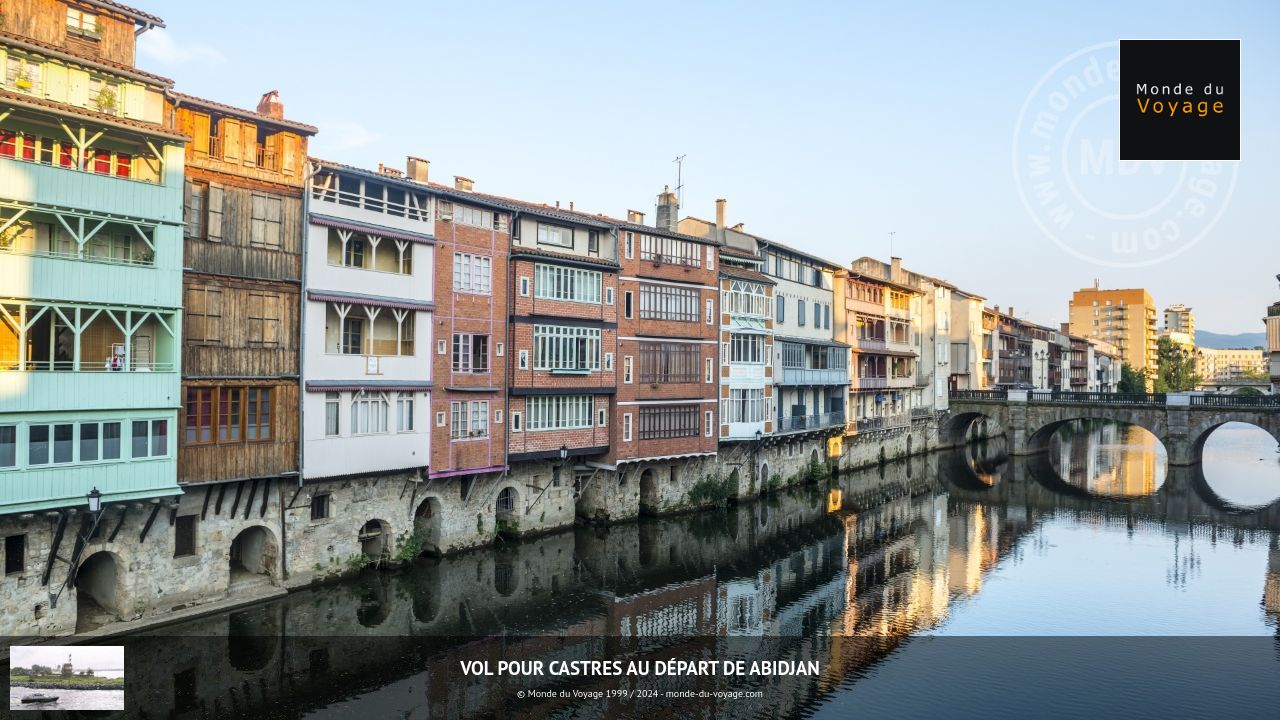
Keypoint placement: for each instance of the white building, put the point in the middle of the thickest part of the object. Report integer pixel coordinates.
(367, 323)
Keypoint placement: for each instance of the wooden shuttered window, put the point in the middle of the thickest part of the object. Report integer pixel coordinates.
(204, 315)
(265, 221)
(264, 320)
(213, 231)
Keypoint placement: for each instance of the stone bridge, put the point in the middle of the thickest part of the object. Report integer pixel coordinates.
(1181, 422)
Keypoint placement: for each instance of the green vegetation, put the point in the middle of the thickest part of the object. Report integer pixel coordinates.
(816, 471)
(70, 682)
(1132, 380)
(712, 490)
(773, 483)
(410, 546)
(358, 561)
(507, 528)
(1176, 367)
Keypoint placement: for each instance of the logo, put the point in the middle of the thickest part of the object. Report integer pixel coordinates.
(1180, 99)
(1083, 195)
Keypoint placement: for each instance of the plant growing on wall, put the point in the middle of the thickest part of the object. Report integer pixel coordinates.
(24, 81)
(106, 99)
(410, 546)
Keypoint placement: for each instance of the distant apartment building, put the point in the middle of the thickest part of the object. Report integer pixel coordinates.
(1230, 364)
(1180, 319)
(1124, 318)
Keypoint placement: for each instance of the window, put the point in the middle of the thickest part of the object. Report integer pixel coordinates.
(669, 362)
(608, 361)
(369, 414)
(264, 221)
(708, 423)
(553, 282)
(473, 216)
(257, 424)
(353, 252)
(629, 249)
(626, 305)
(524, 287)
(15, 554)
(800, 313)
(593, 242)
(782, 309)
(111, 441)
(745, 298)
(469, 419)
(517, 422)
(559, 412)
(440, 419)
(38, 445)
(199, 430)
(662, 302)
(470, 353)
(472, 273)
(523, 360)
(746, 349)
(264, 320)
(554, 235)
(711, 311)
(668, 421)
(150, 438)
(602, 417)
(204, 315)
(743, 406)
(497, 416)
(184, 536)
(230, 414)
(608, 296)
(626, 368)
(561, 348)
(332, 406)
(197, 201)
(709, 370)
(352, 335)
(81, 23)
(404, 412)
(711, 258)
(320, 506)
(669, 250)
(8, 446)
(626, 427)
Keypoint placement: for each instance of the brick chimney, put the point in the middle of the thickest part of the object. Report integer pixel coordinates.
(635, 216)
(895, 269)
(668, 210)
(417, 169)
(462, 183)
(271, 106)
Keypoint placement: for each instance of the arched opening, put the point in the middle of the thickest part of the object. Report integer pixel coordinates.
(762, 479)
(648, 492)
(98, 592)
(1241, 464)
(734, 478)
(504, 509)
(253, 557)
(505, 580)
(252, 636)
(373, 539)
(966, 427)
(1104, 457)
(426, 523)
(374, 606)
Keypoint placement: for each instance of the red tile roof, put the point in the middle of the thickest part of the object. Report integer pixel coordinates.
(45, 48)
(184, 98)
(41, 104)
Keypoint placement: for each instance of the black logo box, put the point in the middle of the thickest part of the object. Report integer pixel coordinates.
(1187, 68)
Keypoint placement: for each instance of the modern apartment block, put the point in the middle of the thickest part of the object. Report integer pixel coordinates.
(242, 282)
(91, 257)
(1124, 318)
(1231, 363)
(1180, 319)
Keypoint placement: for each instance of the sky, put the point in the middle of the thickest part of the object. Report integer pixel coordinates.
(825, 126)
(82, 656)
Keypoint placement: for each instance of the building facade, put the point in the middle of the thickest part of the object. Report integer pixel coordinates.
(1231, 363)
(1180, 319)
(878, 323)
(1272, 323)
(1124, 318)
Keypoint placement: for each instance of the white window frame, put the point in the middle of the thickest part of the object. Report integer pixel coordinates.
(628, 368)
(472, 274)
(404, 412)
(468, 420)
(710, 370)
(709, 421)
(556, 282)
(523, 361)
(626, 427)
(370, 413)
(517, 424)
(559, 412)
(558, 348)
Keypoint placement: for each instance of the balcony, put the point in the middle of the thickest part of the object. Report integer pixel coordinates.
(744, 371)
(886, 422)
(27, 182)
(814, 376)
(86, 391)
(869, 383)
(800, 423)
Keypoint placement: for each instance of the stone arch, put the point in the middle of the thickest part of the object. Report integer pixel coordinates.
(1043, 423)
(252, 637)
(762, 477)
(506, 511)
(1199, 434)
(101, 596)
(506, 577)
(428, 520)
(649, 492)
(373, 603)
(375, 540)
(814, 457)
(254, 553)
(955, 429)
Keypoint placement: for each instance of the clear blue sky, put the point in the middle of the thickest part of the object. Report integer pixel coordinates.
(825, 125)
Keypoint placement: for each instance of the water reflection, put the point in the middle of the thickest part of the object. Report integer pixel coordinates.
(1109, 459)
(1242, 465)
(847, 574)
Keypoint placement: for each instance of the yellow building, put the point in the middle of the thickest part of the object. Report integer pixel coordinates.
(1231, 364)
(1125, 318)
(1180, 319)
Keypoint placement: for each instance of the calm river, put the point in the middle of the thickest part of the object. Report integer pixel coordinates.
(1090, 582)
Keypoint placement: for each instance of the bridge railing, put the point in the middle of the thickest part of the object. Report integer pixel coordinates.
(1264, 401)
(979, 394)
(1098, 398)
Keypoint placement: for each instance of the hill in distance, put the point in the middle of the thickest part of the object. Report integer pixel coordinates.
(1204, 338)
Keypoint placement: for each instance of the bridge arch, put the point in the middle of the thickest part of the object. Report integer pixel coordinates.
(1043, 422)
(1200, 432)
(956, 429)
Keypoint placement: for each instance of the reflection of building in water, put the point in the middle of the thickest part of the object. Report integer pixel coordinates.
(1109, 458)
(1271, 588)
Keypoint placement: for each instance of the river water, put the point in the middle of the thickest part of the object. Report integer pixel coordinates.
(1092, 581)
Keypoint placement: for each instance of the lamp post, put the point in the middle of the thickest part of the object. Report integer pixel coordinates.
(1043, 356)
(564, 455)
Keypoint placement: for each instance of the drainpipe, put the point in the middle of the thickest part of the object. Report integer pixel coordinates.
(511, 352)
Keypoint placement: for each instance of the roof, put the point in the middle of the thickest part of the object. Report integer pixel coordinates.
(738, 252)
(369, 300)
(45, 48)
(810, 341)
(34, 103)
(745, 274)
(403, 182)
(651, 230)
(357, 385)
(540, 209)
(241, 112)
(369, 229)
(767, 243)
(881, 281)
(134, 14)
(518, 250)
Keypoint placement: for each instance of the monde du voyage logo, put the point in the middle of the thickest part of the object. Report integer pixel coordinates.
(1180, 99)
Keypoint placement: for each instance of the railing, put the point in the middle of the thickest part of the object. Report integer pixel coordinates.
(887, 422)
(810, 422)
(979, 394)
(1098, 397)
(1236, 400)
(815, 376)
(66, 366)
(918, 414)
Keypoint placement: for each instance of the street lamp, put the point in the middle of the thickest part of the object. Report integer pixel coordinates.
(94, 497)
(564, 453)
(95, 501)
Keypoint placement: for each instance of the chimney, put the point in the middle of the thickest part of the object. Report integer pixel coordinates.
(570, 206)
(417, 168)
(895, 269)
(737, 228)
(1012, 314)
(721, 211)
(668, 210)
(271, 106)
(462, 183)
(1097, 284)
(635, 216)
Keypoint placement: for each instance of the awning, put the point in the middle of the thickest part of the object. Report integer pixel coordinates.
(890, 353)
(369, 300)
(369, 229)
(749, 326)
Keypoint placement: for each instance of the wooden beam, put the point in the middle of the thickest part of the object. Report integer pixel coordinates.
(266, 495)
(248, 503)
(222, 491)
(146, 527)
(204, 511)
(119, 524)
(236, 505)
(173, 515)
(85, 521)
(295, 497)
(53, 547)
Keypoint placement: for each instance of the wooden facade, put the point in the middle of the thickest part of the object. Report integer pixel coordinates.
(107, 35)
(244, 225)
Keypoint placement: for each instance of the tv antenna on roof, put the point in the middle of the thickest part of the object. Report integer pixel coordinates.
(679, 161)
(891, 234)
